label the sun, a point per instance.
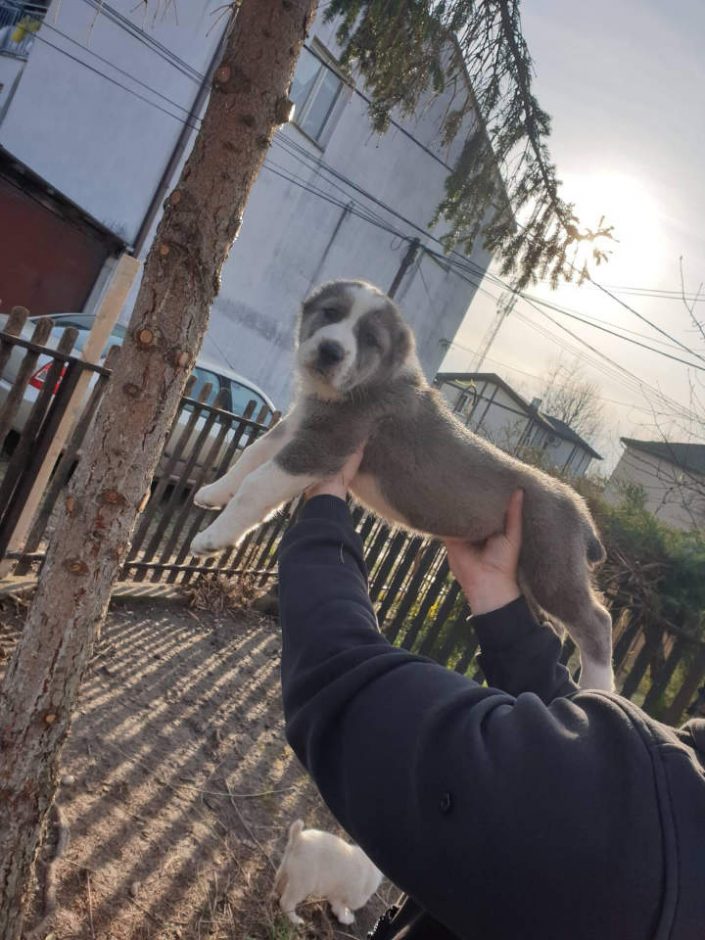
(627, 203)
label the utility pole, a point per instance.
(406, 263)
(505, 305)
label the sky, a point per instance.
(624, 82)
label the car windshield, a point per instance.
(242, 395)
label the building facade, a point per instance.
(102, 102)
(671, 477)
(487, 405)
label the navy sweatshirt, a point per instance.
(529, 809)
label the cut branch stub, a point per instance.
(145, 336)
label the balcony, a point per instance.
(19, 22)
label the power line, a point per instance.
(121, 71)
(113, 81)
(655, 292)
(644, 319)
(605, 329)
(598, 326)
(103, 8)
(539, 378)
(392, 122)
(637, 383)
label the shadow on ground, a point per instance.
(178, 785)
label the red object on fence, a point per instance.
(39, 377)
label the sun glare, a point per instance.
(626, 203)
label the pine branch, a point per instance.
(406, 50)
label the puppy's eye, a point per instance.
(368, 337)
(330, 314)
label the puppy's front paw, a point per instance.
(295, 919)
(207, 543)
(210, 497)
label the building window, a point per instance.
(315, 90)
(19, 22)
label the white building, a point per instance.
(489, 406)
(671, 477)
(99, 106)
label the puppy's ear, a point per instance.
(403, 346)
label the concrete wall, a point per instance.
(106, 150)
(676, 498)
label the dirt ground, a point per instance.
(178, 785)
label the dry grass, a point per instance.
(218, 594)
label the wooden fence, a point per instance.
(419, 605)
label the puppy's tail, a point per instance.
(295, 830)
(280, 879)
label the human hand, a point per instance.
(339, 484)
(487, 573)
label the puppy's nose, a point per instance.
(330, 353)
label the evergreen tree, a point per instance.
(408, 49)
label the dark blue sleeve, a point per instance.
(469, 798)
(521, 655)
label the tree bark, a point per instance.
(248, 100)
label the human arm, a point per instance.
(467, 798)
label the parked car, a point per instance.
(237, 392)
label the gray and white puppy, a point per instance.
(359, 380)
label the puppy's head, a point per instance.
(351, 335)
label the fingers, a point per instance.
(513, 520)
(352, 464)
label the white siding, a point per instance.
(676, 498)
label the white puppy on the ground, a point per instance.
(319, 864)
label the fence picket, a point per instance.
(652, 702)
(179, 486)
(688, 689)
(652, 639)
(13, 327)
(63, 469)
(444, 612)
(410, 595)
(432, 591)
(17, 477)
(25, 371)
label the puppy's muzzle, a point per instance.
(329, 355)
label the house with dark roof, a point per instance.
(671, 476)
(486, 404)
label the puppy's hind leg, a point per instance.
(260, 494)
(596, 670)
(590, 625)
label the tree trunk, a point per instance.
(204, 213)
